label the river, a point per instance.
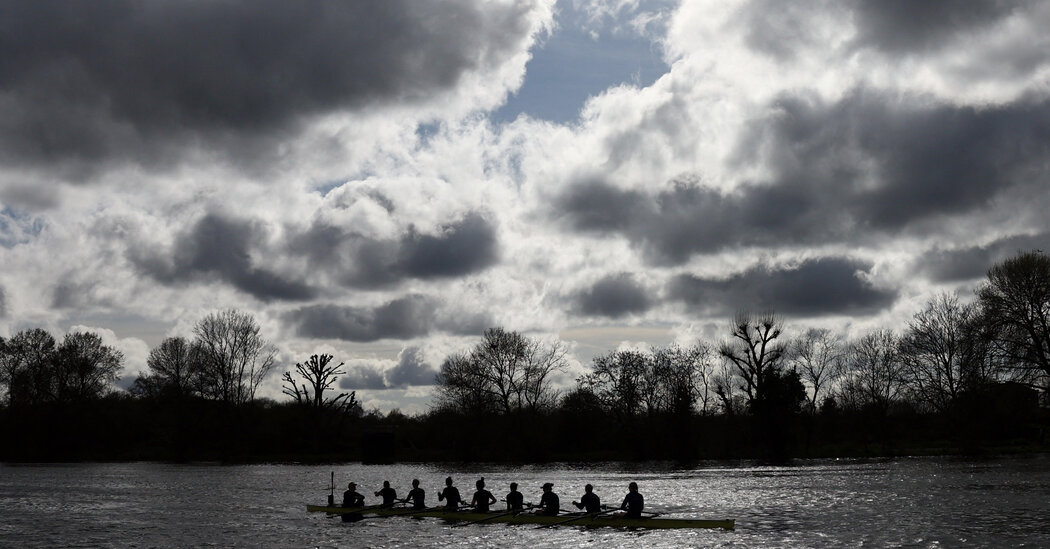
(908, 502)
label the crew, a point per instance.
(589, 500)
(388, 494)
(451, 495)
(416, 495)
(633, 502)
(482, 497)
(351, 498)
(515, 500)
(548, 501)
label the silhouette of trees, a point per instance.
(504, 373)
(666, 380)
(875, 375)
(25, 360)
(33, 369)
(232, 357)
(754, 350)
(817, 356)
(933, 352)
(84, 368)
(173, 370)
(1016, 303)
(321, 375)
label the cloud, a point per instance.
(871, 165)
(816, 287)
(901, 26)
(403, 318)
(218, 248)
(968, 263)
(614, 296)
(3, 301)
(410, 369)
(460, 248)
(86, 82)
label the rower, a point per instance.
(482, 498)
(416, 495)
(388, 494)
(451, 495)
(589, 500)
(351, 498)
(548, 501)
(633, 502)
(515, 500)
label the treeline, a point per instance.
(959, 377)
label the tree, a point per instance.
(875, 375)
(85, 367)
(683, 377)
(172, 368)
(25, 360)
(233, 358)
(1016, 301)
(505, 372)
(754, 350)
(932, 351)
(817, 356)
(617, 379)
(321, 375)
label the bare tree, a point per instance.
(233, 356)
(25, 362)
(617, 379)
(817, 356)
(1016, 301)
(506, 370)
(172, 367)
(754, 350)
(875, 374)
(725, 386)
(85, 367)
(682, 377)
(321, 375)
(933, 351)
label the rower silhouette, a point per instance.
(451, 496)
(482, 497)
(548, 501)
(589, 500)
(633, 502)
(351, 498)
(416, 495)
(515, 500)
(388, 494)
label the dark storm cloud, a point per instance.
(131, 79)
(404, 318)
(219, 248)
(869, 166)
(362, 377)
(613, 296)
(463, 247)
(817, 287)
(906, 25)
(974, 262)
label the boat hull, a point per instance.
(599, 521)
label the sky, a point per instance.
(383, 181)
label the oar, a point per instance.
(650, 513)
(514, 512)
(578, 517)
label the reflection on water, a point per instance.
(908, 502)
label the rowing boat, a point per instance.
(593, 521)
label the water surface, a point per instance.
(927, 502)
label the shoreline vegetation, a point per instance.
(961, 378)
